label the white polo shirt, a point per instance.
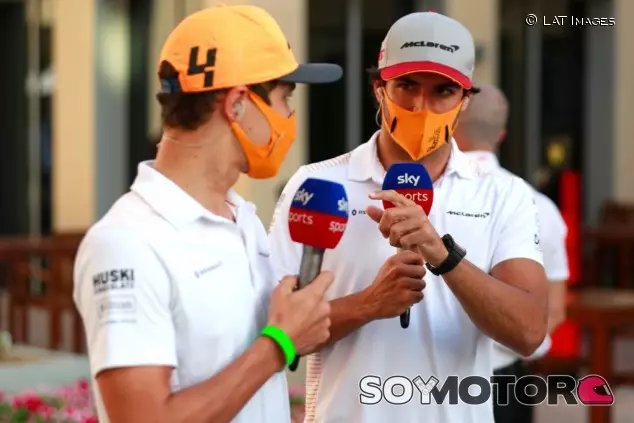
(492, 216)
(552, 232)
(161, 281)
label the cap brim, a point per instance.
(314, 73)
(402, 69)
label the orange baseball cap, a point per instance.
(227, 46)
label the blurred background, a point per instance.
(77, 113)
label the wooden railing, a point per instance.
(603, 303)
(38, 275)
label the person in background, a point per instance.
(184, 318)
(473, 259)
(481, 130)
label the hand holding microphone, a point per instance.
(407, 199)
(317, 219)
(304, 315)
(398, 285)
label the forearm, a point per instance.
(220, 398)
(510, 315)
(347, 314)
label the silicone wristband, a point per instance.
(283, 341)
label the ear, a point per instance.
(465, 104)
(234, 103)
(502, 136)
(377, 91)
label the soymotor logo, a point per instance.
(474, 390)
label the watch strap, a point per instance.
(456, 254)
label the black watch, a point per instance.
(456, 254)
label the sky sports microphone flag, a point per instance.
(317, 220)
(412, 181)
(318, 214)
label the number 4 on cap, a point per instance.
(206, 68)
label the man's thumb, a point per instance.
(375, 213)
(321, 283)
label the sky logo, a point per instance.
(303, 196)
(408, 179)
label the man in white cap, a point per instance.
(483, 272)
(481, 130)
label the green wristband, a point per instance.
(283, 341)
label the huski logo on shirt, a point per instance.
(408, 179)
(112, 280)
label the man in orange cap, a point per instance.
(184, 319)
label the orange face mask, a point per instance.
(264, 161)
(419, 133)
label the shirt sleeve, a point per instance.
(553, 233)
(518, 235)
(285, 254)
(122, 292)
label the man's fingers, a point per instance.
(412, 271)
(409, 257)
(288, 284)
(399, 200)
(403, 212)
(321, 283)
(375, 213)
(416, 296)
(401, 229)
(393, 197)
(409, 240)
(415, 284)
(394, 215)
(389, 218)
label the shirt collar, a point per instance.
(365, 165)
(174, 204)
(483, 159)
(364, 162)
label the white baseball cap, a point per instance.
(428, 42)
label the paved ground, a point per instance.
(42, 369)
